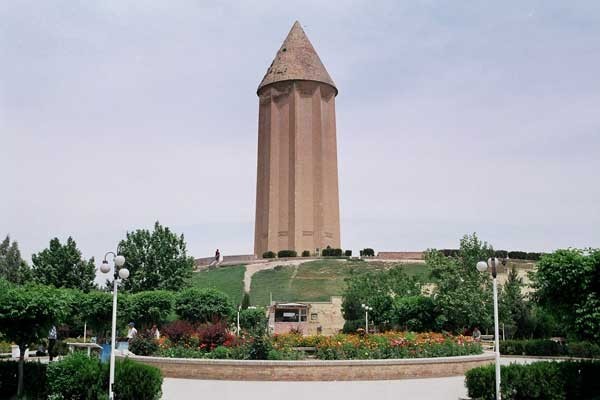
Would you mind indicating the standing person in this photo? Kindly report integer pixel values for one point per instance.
(52, 336)
(155, 332)
(131, 331)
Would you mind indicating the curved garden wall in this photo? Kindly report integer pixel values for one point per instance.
(337, 370)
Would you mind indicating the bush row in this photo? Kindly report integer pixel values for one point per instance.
(367, 252)
(78, 377)
(518, 255)
(540, 380)
(328, 252)
(545, 347)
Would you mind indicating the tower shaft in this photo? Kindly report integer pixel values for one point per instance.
(297, 200)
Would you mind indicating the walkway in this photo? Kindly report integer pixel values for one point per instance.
(452, 388)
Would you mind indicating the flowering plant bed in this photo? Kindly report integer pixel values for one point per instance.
(390, 345)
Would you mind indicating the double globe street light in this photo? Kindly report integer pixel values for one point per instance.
(367, 309)
(483, 266)
(119, 275)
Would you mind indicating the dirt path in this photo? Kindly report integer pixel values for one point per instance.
(251, 269)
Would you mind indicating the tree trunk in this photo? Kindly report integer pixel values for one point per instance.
(20, 371)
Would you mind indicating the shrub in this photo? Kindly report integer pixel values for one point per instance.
(220, 353)
(348, 253)
(500, 253)
(204, 305)
(149, 308)
(286, 253)
(306, 253)
(367, 252)
(545, 347)
(253, 320)
(450, 252)
(178, 331)
(583, 349)
(136, 381)
(245, 301)
(351, 326)
(268, 254)
(540, 380)
(76, 377)
(33, 372)
(143, 344)
(259, 347)
(329, 252)
(213, 335)
(518, 255)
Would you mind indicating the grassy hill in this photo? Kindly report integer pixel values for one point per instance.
(229, 280)
(311, 281)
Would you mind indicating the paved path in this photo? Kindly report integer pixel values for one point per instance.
(251, 269)
(452, 388)
(414, 389)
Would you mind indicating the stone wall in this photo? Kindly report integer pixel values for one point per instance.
(400, 255)
(345, 370)
(228, 260)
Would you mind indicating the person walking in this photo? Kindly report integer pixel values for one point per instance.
(52, 336)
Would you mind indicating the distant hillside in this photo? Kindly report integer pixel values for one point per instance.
(312, 281)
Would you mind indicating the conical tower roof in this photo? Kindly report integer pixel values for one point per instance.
(296, 60)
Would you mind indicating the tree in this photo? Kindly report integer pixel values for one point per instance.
(156, 260)
(26, 315)
(204, 305)
(567, 284)
(377, 290)
(253, 320)
(245, 301)
(415, 313)
(462, 295)
(512, 306)
(62, 266)
(12, 267)
(149, 308)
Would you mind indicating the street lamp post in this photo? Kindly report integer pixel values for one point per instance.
(367, 309)
(122, 273)
(482, 266)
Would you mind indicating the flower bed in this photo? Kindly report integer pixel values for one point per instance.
(391, 345)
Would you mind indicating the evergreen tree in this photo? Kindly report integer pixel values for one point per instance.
(12, 267)
(512, 308)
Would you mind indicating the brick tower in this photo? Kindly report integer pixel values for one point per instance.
(297, 201)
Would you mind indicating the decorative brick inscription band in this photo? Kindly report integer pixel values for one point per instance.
(343, 370)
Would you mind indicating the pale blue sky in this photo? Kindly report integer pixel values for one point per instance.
(453, 117)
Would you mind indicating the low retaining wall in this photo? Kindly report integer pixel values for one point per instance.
(342, 370)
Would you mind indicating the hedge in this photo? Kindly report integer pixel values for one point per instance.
(329, 252)
(34, 378)
(348, 253)
(539, 380)
(518, 255)
(545, 347)
(367, 252)
(286, 253)
(269, 254)
(78, 377)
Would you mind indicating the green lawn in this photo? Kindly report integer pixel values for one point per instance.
(229, 280)
(315, 280)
